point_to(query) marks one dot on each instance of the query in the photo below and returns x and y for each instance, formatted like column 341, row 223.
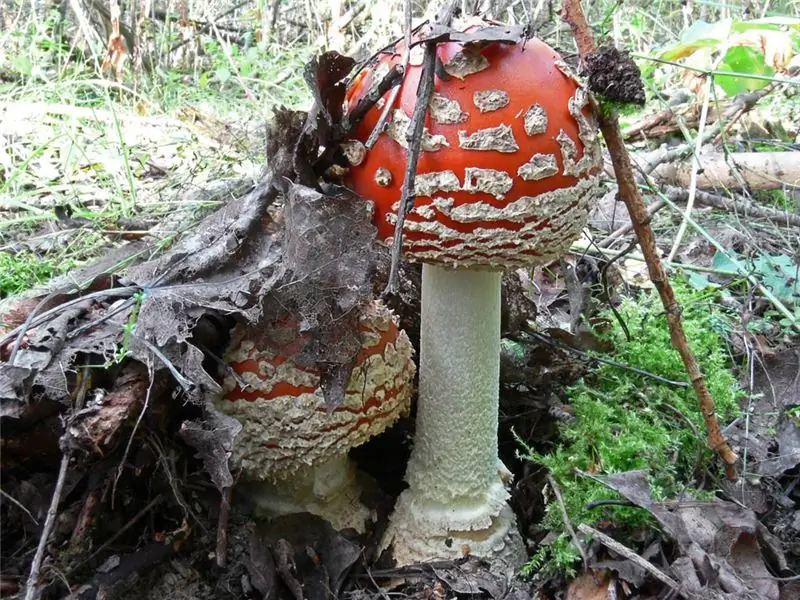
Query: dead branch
column 32, row 589
column 373, row 137
column 222, row 527
column 572, row 14
column 735, row 204
column 672, row 119
column 614, row 545
column 567, row 522
column 414, row 139
column 625, row 229
column 757, row 170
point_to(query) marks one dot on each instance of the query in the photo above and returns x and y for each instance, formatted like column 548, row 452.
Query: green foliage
column 89, row 151
column 779, row 274
column 19, row 272
column 793, row 413
column 746, row 54
column 625, row 421
column 128, row 329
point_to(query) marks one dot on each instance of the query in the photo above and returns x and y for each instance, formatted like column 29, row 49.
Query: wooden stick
column 572, row 15
column 614, row 545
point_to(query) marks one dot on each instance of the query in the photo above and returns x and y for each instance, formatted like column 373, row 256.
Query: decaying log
column 736, row 170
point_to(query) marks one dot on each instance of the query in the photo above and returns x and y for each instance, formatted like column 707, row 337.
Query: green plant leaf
column 222, row 74
column 700, row 282
column 23, row 65
column 721, row 262
column 700, row 35
column 768, row 23
column 745, row 60
column 779, row 275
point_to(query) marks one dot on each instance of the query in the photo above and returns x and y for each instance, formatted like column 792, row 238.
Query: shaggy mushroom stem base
column 330, row 489
column 456, row 500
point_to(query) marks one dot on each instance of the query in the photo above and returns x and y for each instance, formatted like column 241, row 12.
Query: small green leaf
column 222, row 74
column 700, row 282
column 779, row 275
column 747, row 61
column 721, row 262
column 23, row 65
column 700, row 35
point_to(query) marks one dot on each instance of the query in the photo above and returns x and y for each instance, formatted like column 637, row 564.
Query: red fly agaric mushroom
column 508, row 167
column 292, row 448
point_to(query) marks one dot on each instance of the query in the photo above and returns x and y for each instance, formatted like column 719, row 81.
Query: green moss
column 625, row 421
column 22, row 271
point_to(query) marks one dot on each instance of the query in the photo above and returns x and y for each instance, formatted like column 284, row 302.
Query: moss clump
column 22, row 271
column 626, row 421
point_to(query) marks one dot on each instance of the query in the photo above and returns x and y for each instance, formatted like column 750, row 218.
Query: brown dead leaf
column 720, row 538
column 590, row 586
column 116, row 55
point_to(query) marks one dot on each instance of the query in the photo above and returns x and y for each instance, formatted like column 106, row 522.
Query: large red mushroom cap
column 509, row 156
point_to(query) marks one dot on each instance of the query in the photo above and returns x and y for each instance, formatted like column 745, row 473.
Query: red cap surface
column 509, row 156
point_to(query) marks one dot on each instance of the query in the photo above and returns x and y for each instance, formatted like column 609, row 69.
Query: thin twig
column 26, row 325
column 614, row 545
column 373, row 136
column 567, row 522
column 625, row 229
column 555, row 343
column 150, row 505
column 695, row 170
column 124, row 459
column 123, row 292
column 32, row 589
column 572, row 14
column 222, row 527
column 740, row 269
column 735, row 204
column 19, row 505
column 414, row 140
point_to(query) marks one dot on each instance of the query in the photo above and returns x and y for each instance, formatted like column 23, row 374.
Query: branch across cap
column 509, row 156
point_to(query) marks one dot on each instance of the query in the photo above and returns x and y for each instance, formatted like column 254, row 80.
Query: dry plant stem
column 572, row 14
column 695, row 169
column 118, row 533
column 373, row 137
column 567, row 523
column 735, row 204
column 618, row 233
column 222, row 527
column 617, row 365
column 32, row 589
column 614, row 545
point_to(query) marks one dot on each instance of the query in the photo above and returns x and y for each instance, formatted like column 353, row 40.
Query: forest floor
column 103, row 198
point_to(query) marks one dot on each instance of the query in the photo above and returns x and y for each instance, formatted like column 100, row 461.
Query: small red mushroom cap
column 286, row 424
column 509, row 155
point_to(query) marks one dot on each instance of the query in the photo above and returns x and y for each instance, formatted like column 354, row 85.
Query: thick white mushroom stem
column 329, row 488
column 456, row 500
